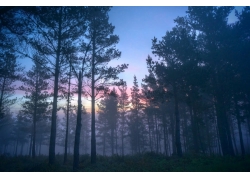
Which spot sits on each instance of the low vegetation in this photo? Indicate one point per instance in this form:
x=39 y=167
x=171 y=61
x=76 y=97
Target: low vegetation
x=148 y=162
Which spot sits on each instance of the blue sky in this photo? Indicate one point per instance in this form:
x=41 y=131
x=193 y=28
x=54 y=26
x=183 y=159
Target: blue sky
x=136 y=26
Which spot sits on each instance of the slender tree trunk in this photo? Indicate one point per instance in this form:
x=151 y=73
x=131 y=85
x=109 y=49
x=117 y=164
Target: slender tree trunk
x=52 y=144
x=223 y=127
x=208 y=137
x=194 y=130
x=149 y=134
x=104 y=138
x=157 y=139
x=123 y=122
x=173 y=133
x=177 y=124
x=40 y=147
x=1 y=97
x=21 y=152
x=239 y=127
x=30 y=145
x=93 y=138
x=16 y=148
x=164 y=134
x=34 y=122
x=78 y=124
x=234 y=141
x=67 y=118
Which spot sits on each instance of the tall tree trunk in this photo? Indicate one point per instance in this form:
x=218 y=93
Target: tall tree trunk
x=157 y=136
x=93 y=138
x=177 y=123
x=234 y=141
x=16 y=148
x=194 y=129
x=223 y=127
x=30 y=145
x=40 y=147
x=173 y=133
x=34 y=121
x=239 y=127
x=164 y=134
x=123 y=122
x=67 y=120
x=149 y=134
x=52 y=144
x=21 y=152
x=78 y=124
x=1 y=97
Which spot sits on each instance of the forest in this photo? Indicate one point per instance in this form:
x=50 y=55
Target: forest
x=190 y=113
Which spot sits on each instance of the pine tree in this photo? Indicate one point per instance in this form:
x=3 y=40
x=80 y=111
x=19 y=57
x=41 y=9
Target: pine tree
x=123 y=107
x=36 y=86
x=101 y=51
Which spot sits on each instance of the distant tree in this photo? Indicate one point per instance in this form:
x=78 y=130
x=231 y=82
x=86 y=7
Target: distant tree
x=6 y=129
x=36 y=86
x=135 y=123
x=108 y=115
x=123 y=107
x=10 y=73
x=21 y=130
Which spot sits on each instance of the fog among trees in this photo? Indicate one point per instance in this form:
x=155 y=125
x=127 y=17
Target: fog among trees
x=194 y=100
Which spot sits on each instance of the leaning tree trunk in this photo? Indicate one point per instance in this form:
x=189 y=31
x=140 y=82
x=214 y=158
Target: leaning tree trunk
x=78 y=124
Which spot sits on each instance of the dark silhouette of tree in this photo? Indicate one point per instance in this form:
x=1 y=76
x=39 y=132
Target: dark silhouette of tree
x=212 y=22
x=135 y=123
x=10 y=73
x=57 y=29
x=123 y=107
x=108 y=115
x=102 y=50
x=36 y=86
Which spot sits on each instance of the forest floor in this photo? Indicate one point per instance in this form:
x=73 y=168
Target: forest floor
x=148 y=162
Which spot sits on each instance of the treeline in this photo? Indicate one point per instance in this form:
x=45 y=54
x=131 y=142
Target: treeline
x=194 y=100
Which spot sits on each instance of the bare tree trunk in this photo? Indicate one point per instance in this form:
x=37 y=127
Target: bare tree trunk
x=1 y=97
x=52 y=144
x=78 y=124
x=239 y=127
x=30 y=145
x=67 y=120
x=93 y=138
x=21 y=152
x=16 y=148
x=173 y=133
x=34 y=122
x=177 y=124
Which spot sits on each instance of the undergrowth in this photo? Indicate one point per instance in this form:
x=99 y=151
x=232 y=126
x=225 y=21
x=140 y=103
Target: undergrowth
x=148 y=162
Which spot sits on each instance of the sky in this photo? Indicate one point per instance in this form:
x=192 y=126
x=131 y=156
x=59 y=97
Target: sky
x=136 y=26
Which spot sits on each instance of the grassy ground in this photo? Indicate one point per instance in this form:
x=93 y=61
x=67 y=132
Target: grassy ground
x=138 y=163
